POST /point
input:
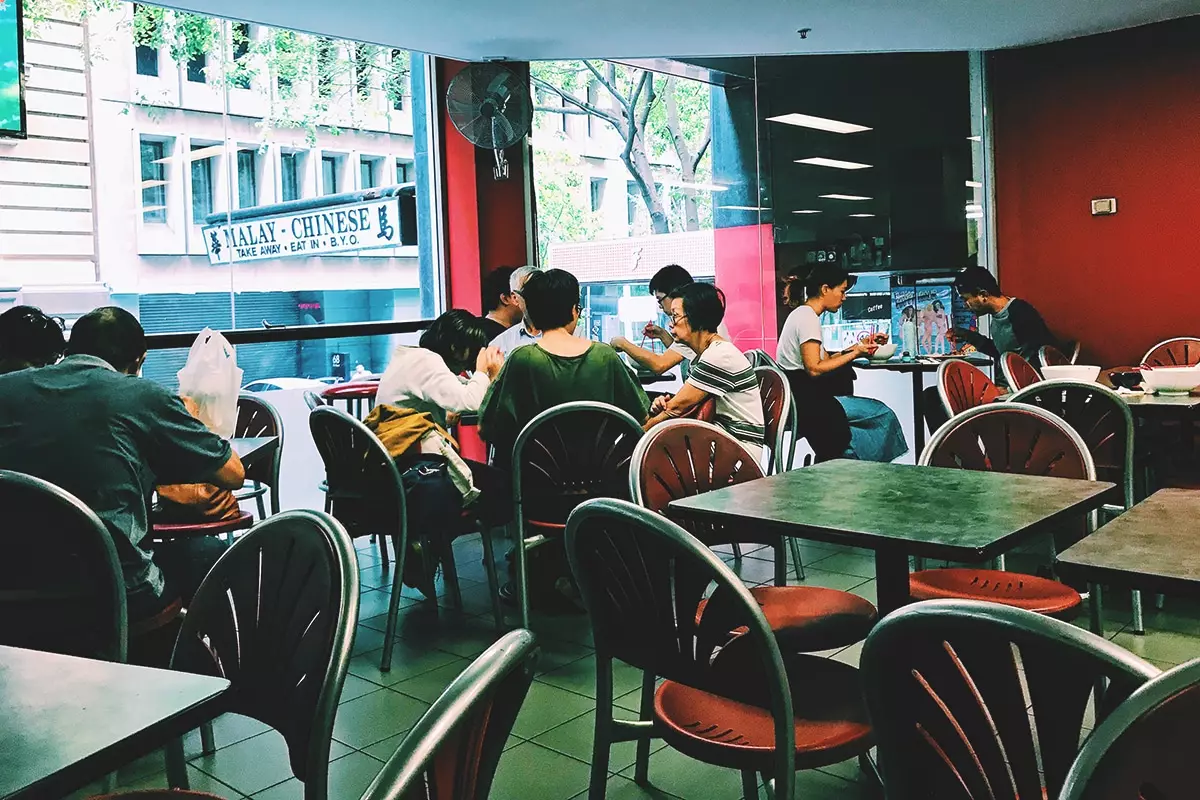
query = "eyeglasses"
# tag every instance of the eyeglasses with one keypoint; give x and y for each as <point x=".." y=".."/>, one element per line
<point x="677" y="318"/>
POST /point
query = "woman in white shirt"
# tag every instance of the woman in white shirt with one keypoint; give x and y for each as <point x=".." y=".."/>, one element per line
<point x="719" y="369"/>
<point x="836" y="425"/>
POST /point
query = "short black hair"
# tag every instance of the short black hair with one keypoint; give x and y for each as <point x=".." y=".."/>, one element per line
<point x="976" y="280"/>
<point x="109" y="333"/>
<point x="813" y="276"/>
<point x="550" y="297"/>
<point x="670" y="278"/>
<point x="703" y="304"/>
<point x="29" y="338"/>
<point x="495" y="287"/>
<point x="454" y="333"/>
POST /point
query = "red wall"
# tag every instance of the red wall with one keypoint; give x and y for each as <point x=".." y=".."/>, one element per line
<point x="1116" y="115"/>
<point x="745" y="272"/>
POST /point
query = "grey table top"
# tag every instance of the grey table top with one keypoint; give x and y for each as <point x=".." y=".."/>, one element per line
<point x="1150" y="546"/>
<point x="922" y="364"/>
<point x="252" y="448"/>
<point x="1145" y="400"/>
<point x="66" y="721"/>
<point x="955" y="514"/>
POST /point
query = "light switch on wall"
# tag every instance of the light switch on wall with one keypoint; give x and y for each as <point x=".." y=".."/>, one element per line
<point x="1103" y="206"/>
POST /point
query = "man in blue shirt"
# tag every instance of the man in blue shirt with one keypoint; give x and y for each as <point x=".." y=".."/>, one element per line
<point x="89" y="425"/>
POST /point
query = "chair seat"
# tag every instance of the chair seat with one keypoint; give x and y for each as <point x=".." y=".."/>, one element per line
<point x="250" y="490"/>
<point x="1029" y="592"/>
<point x="810" y="618"/>
<point x="172" y="530"/>
<point x="545" y="528"/>
<point x="831" y="720"/>
<point x="141" y="627"/>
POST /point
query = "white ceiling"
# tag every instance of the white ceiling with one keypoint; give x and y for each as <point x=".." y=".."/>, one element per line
<point x="542" y="29"/>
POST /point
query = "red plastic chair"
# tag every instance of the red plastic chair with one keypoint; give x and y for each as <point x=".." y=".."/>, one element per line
<point x="684" y="458"/>
<point x="1142" y="750"/>
<point x="727" y="698"/>
<point x="1180" y="352"/>
<point x="963" y="386"/>
<point x="1051" y="356"/>
<point x="779" y="414"/>
<point x="1018" y="372"/>
<point x="975" y="700"/>
<point x="166" y="531"/>
<point x="1018" y="439"/>
<point x="355" y="394"/>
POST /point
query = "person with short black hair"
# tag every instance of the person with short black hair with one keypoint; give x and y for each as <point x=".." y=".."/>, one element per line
<point x="719" y="371"/>
<point x="502" y="304"/>
<point x="89" y="425"/>
<point x="836" y="424"/>
<point x="29" y="338"/>
<point x="662" y="284"/>
<point x="557" y="368"/>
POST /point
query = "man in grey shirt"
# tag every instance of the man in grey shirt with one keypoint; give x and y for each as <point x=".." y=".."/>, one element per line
<point x="90" y="426"/>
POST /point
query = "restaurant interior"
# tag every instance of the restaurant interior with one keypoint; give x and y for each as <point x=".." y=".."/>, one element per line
<point x="696" y="604"/>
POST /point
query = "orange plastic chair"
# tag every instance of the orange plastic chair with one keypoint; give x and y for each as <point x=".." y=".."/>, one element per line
<point x="1018" y="372"/>
<point x="1183" y="351"/>
<point x="964" y="386"/>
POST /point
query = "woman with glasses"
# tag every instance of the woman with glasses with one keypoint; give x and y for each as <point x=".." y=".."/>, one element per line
<point x="719" y="370"/>
<point x="29" y="338"/>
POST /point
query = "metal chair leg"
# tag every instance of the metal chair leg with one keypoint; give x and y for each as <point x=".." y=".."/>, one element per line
<point x="641" y="770"/>
<point x="737" y="552"/>
<point x="177" y="777"/>
<point x="797" y="561"/>
<point x="489" y="555"/>
<point x="385" y="662"/>
<point x="1139" y="625"/>
<point x="450" y="574"/>
<point x="522" y="579"/>
<point x="602" y="735"/>
<point x="261" y="502"/>
<point x="1095" y="611"/>
<point x="749" y="784"/>
<point x="208" y="744"/>
<point x="781" y="563"/>
<point x="383" y="554"/>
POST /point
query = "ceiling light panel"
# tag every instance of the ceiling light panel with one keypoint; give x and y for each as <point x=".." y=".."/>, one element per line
<point x="833" y="162"/>
<point x="844" y="197"/>
<point x="818" y="123"/>
<point x="808" y="211"/>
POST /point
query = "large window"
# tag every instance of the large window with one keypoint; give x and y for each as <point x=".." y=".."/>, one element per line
<point x="154" y="180"/>
<point x="202" y="182"/>
<point x="289" y="175"/>
<point x="247" y="178"/>
<point x="330" y="172"/>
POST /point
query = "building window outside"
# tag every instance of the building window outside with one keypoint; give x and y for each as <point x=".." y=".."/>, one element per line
<point x="396" y="80"/>
<point x="633" y="197"/>
<point x="145" y="56"/>
<point x="154" y="181"/>
<point x="327" y="58"/>
<point x="329" y="175"/>
<point x="597" y="186"/>
<point x="247" y="179"/>
<point x="364" y="66"/>
<point x="195" y="69"/>
<point x="289" y="176"/>
<point x="404" y="172"/>
<point x="202" y="187"/>
<point x="241" y="48"/>
<point x="366" y="174"/>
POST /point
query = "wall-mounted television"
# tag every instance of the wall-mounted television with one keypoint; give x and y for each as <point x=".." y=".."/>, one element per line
<point x="12" y="89"/>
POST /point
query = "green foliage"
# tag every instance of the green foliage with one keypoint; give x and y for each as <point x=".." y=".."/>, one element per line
<point x="563" y="200"/>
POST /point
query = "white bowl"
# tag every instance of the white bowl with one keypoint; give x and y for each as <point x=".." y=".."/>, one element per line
<point x="1071" y="372"/>
<point x="1170" y="380"/>
<point x="884" y="352"/>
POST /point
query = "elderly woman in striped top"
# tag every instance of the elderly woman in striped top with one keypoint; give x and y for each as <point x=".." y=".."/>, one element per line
<point x="719" y="369"/>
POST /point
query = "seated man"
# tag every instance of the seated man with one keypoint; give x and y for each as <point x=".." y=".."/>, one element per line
<point x="662" y="284"/>
<point x="28" y="338"/>
<point x="503" y="304"/>
<point x="1016" y="327"/>
<point x="522" y="331"/>
<point x="90" y="426"/>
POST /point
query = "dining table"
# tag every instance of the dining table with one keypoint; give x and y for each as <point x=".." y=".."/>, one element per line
<point x="67" y="721"/>
<point x="251" y="449"/>
<point x="899" y="510"/>
<point x="1151" y="547"/>
<point x="917" y="368"/>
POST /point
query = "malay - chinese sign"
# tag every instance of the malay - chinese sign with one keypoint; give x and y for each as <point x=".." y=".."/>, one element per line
<point x="315" y="232"/>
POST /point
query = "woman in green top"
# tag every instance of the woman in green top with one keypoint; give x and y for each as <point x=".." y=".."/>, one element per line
<point x="557" y="368"/>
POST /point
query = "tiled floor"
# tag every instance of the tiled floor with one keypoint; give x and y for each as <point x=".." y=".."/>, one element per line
<point x="548" y="754"/>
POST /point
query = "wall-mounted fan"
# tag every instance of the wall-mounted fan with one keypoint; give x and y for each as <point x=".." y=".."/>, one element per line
<point x="490" y="105"/>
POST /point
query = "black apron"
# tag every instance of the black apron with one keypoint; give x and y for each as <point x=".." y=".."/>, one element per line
<point x="820" y="417"/>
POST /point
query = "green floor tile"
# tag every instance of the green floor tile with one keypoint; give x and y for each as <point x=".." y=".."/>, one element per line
<point x="197" y="781"/>
<point x="429" y="686"/>
<point x="376" y="716"/>
<point x="374" y="603"/>
<point x="621" y="788"/>
<point x="356" y="687"/>
<point x="464" y="636"/>
<point x="349" y="777"/>
<point x="574" y="739"/>
<point x="251" y="765"/>
<point x="580" y="677"/>
<point x="828" y="580"/>
<point x="684" y="777"/>
<point x="548" y="707"/>
<point x="558" y="653"/>
<point x="531" y="772"/>
<point x="366" y="639"/>
<point x="409" y="659"/>
<point x="1165" y="647"/>
<point x="849" y="564"/>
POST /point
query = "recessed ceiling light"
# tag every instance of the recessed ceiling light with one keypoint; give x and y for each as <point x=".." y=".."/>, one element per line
<point x="808" y="211"/>
<point x="743" y="208"/>
<point x="832" y="162"/>
<point x="844" y="197"/>
<point x="974" y="185"/>
<point x="862" y="215"/>
<point x="819" y="123"/>
<point x="975" y="138"/>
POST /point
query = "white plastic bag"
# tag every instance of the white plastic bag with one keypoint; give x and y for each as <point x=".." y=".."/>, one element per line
<point x="211" y="378"/>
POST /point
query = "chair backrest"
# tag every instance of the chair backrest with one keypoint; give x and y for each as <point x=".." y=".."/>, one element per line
<point x="962" y="386"/>
<point x="256" y="417"/>
<point x="453" y="750"/>
<point x="1051" y="356"/>
<point x="1076" y="349"/>
<point x="61" y="586"/>
<point x="1143" y="749"/>
<point x="760" y="358"/>
<point x="972" y="699"/>
<point x="779" y="414"/>
<point x="276" y="617"/>
<point x="1018" y="373"/>
<point x="365" y="493"/>
<point x="683" y="458"/>
<point x="642" y="578"/>
<point x="1183" y="351"/>
<point x="312" y="399"/>
<point x="571" y="453"/>
<point x="1100" y="417"/>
